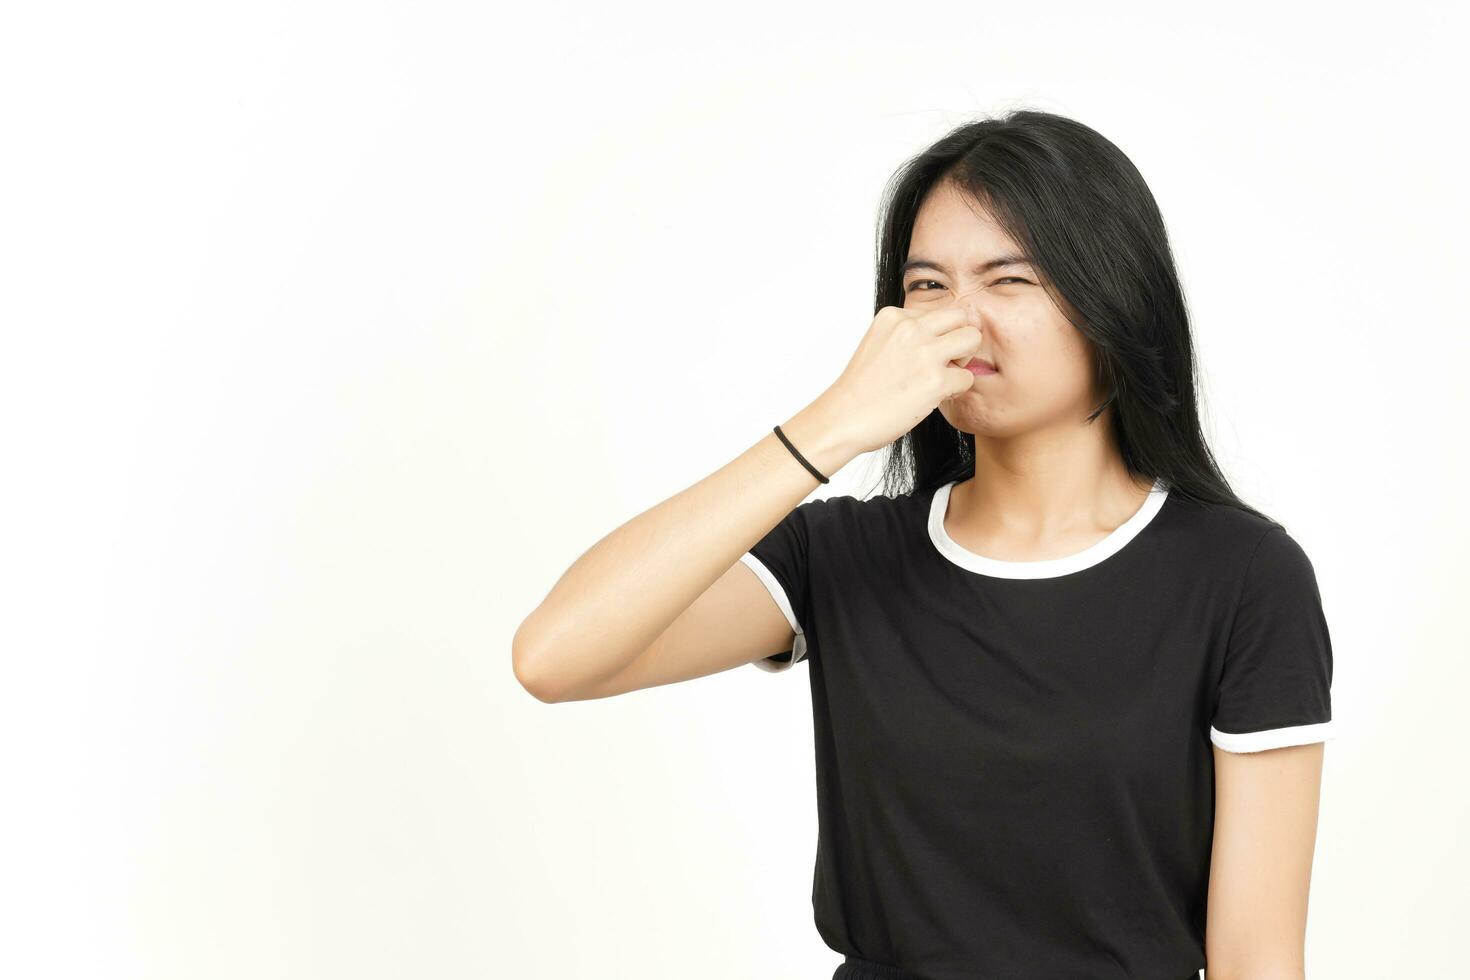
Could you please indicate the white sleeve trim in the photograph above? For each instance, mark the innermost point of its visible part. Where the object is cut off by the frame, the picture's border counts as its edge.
(798, 648)
(1273, 738)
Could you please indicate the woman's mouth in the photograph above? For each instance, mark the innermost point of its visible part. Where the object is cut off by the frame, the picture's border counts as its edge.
(977, 366)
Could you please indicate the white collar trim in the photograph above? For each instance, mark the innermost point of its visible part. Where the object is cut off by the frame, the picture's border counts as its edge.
(1049, 567)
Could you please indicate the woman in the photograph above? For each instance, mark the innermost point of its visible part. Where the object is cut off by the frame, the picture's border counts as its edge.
(1069, 692)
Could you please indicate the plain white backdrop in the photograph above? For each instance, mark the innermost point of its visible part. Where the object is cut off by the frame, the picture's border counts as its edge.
(334, 333)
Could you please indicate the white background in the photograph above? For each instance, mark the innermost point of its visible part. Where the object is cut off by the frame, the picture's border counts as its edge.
(334, 333)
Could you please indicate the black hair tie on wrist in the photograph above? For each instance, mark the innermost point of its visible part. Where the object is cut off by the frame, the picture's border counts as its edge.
(800, 458)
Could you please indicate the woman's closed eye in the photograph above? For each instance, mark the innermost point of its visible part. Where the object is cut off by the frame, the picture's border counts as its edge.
(913, 286)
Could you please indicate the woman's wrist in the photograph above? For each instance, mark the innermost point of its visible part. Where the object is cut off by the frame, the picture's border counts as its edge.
(817, 433)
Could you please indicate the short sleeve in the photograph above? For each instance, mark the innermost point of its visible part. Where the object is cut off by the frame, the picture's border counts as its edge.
(779, 560)
(1275, 689)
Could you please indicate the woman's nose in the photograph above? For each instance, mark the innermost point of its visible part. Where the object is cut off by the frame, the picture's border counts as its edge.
(966, 296)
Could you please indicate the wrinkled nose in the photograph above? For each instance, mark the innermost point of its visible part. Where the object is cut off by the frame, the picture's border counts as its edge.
(972, 314)
(966, 295)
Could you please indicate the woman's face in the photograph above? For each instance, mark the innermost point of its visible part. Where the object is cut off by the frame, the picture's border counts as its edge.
(1045, 375)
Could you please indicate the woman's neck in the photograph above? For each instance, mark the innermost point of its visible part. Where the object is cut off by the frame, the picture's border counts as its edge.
(1047, 498)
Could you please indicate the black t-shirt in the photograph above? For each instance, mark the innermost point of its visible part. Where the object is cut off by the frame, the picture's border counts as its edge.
(1013, 759)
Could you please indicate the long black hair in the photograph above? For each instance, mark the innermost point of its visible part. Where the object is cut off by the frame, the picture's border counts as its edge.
(1081, 210)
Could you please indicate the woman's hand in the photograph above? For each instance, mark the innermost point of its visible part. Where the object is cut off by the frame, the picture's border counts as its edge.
(900, 373)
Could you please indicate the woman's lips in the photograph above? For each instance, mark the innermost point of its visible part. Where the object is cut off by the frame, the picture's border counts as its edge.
(977, 366)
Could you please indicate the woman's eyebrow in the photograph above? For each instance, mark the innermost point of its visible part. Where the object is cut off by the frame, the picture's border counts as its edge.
(998, 262)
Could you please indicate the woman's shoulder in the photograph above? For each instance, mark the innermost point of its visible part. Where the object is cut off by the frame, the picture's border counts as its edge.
(1214, 527)
(853, 509)
(850, 528)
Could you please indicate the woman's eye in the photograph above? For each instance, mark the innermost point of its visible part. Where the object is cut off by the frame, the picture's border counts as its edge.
(914, 286)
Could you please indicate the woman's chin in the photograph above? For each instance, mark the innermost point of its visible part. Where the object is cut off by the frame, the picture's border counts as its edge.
(969, 412)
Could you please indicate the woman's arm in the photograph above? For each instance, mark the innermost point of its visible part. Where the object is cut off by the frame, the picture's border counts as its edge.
(1261, 865)
(622, 594)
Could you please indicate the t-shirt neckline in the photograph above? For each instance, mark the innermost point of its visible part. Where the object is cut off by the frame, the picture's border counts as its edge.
(1047, 567)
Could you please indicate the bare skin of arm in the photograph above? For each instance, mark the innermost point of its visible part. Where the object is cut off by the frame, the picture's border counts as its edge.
(664, 597)
(1266, 806)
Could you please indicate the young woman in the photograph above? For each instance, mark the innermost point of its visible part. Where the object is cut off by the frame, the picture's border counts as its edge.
(1069, 692)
